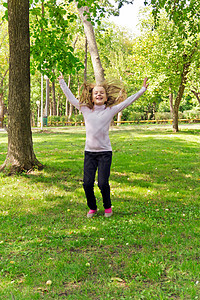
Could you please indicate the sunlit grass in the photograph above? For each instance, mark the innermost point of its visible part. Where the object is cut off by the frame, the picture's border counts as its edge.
(149, 249)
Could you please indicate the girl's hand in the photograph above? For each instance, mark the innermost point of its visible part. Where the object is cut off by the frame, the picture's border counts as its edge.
(61, 76)
(145, 84)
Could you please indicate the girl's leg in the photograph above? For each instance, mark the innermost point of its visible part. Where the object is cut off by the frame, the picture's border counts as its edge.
(104, 164)
(90, 167)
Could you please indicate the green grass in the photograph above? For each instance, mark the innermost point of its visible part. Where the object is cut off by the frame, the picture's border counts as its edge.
(149, 249)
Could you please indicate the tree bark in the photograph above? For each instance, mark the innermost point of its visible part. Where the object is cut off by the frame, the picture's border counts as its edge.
(182, 85)
(20, 156)
(70, 111)
(47, 98)
(89, 33)
(67, 101)
(54, 98)
(179, 96)
(171, 101)
(85, 61)
(1, 110)
(57, 106)
(119, 118)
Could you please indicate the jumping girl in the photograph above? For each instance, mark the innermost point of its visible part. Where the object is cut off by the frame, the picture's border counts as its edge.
(99, 104)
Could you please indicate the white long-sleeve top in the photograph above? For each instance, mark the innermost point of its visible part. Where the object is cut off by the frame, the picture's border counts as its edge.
(98, 119)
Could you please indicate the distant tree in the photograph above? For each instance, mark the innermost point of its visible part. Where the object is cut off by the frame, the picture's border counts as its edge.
(181, 12)
(168, 55)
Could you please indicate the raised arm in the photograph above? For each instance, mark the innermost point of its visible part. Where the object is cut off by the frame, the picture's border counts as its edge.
(145, 83)
(117, 108)
(72, 99)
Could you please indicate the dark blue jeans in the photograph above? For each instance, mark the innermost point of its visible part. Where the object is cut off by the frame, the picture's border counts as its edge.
(92, 161)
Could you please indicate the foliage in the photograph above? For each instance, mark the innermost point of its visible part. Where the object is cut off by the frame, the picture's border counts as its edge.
(149, 248)
(64, 120)
(193, 113)
(51, 41)
(163, 116)
(164, 52)
(153, 54)
(184, 14)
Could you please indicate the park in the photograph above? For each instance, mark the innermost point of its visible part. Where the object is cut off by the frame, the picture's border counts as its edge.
(149, 247)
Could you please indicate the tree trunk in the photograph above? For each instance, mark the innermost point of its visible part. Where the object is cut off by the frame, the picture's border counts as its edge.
(175, 119)
(176, 105)
(50, 101)
(154, 110)
(182, 85)
(70, 105)
(20, 156)
(85, 61)
(66, 104)
(50, 109)
(1, 109)
(119, 118)
(58, 104)
(54, 98)
(47, 98)
(171, 102)
(66, 107)
(89, 33)
(70, 111)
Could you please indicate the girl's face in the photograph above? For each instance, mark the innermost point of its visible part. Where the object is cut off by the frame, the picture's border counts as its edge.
(99, 96)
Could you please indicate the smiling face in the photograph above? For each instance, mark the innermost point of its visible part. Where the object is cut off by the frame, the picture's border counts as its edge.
(99, 96)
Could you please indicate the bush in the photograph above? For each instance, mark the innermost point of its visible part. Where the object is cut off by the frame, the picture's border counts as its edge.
(63, 120)
(192, 114)
(77, 118)
(136, 116)
(53, 120)
(164, 106)
(163, 116)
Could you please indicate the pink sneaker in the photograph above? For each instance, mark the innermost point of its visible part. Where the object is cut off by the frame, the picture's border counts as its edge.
(108, 212)
(91, 213)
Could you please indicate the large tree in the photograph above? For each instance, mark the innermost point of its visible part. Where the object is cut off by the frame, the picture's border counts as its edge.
(20, 154)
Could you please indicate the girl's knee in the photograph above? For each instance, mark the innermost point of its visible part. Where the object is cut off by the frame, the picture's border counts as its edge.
(103, 185)
(88, 185)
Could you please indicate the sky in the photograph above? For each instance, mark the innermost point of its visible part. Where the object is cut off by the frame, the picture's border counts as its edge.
(129, 16)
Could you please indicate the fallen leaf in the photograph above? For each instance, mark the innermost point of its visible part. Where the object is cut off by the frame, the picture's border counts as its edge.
(117, 279)
(49, 282)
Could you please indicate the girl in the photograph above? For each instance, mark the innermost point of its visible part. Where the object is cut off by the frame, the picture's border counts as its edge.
(99, 104)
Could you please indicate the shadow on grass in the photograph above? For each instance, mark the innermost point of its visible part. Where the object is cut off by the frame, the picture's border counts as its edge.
(146, 163)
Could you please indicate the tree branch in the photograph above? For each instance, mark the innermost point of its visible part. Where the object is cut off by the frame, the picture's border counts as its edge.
(2, 79)
(3, 39)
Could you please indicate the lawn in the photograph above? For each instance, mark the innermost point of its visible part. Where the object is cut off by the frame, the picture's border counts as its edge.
(149, 248)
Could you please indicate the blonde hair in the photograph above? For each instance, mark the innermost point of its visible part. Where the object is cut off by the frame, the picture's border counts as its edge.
(115, 93)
